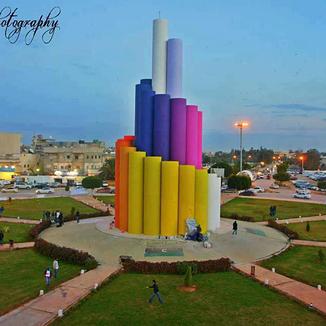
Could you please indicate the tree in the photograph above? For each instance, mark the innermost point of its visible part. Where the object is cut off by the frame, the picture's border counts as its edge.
(92, 182)
(223, 165)
(239, 182)
(188, 277)
(107, 170)
(312, 161)
(282, 168)
(308, 227)
(321, 255)
(322, 184)
(282, 174)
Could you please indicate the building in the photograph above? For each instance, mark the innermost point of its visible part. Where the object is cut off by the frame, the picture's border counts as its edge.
(62, 157)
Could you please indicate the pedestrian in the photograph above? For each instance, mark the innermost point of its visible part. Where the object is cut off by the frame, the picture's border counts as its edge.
(77, 216)
(235, 228)
(156, 292)
(1, 237)
(55, 268)
(47, 275)
(1, 210)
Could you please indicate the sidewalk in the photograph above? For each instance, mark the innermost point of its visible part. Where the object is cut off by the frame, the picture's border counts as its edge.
(309, 243)
(21, 245)
(44, 309)
(297, 220)
(92, 202)
(16, 220)
(301, 292)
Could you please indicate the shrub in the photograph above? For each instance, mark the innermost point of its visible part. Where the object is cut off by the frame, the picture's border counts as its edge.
(321, 184)
(92, 182)
(282, 228)
(308, 227)
(282, 176)
(67, 188)
(239, 182)
(72, 211)
(68, 218)
(235, 216)
(183, 266)
(321, 256)
(66, 254)
(188, 277)
(38, 228)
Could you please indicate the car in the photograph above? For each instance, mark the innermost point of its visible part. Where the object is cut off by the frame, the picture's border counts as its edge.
(274, 186)
(247, 193)
(45, 191)
(312, 187)
(257, 189)
(9, 189)
(105, 190)
(302, 196)
(22, 185)
(303, 191)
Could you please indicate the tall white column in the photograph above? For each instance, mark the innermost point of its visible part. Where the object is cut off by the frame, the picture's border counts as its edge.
(218, 199)
(214, 192)
(160, 37)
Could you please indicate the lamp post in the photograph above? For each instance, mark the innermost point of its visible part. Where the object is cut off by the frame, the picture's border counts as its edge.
(241, 125)
(301, 159)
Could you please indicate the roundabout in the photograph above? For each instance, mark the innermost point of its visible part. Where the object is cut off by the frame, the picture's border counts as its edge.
(252, 243)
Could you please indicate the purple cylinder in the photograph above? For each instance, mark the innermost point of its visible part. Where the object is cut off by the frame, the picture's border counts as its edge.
(192, 135)
(161, 128)
(174, 68)
(200, 141)
(178, 130)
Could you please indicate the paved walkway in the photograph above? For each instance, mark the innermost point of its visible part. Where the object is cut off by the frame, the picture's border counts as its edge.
(44, 309)
(301, 292)
(20, 220)
(309, 243)
(92, 202)
(21, 245)
(297, 220)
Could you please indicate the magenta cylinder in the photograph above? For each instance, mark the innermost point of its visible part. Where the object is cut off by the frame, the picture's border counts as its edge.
(192, 135)
(178, 130)
(200, 140)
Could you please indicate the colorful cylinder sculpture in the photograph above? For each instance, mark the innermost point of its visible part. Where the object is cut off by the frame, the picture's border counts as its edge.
(201, 198)
(127, 141)
(169, 198)
(160, 36)
(213, 202)
(219, 190)
(186, 196)
(161, 128)
(123, 182)
(152, 195)
(178, 129)
(135, 192)
(200, 140)
(192, 135)
(174, 68)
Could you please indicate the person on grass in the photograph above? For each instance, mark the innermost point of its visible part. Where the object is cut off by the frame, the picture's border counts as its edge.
(155, 293)
(47, 275)
(1, 237)
(55, 268)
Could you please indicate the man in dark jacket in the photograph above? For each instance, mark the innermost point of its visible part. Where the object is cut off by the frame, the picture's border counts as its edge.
(156, 292)
(235, 228)
(1, 237)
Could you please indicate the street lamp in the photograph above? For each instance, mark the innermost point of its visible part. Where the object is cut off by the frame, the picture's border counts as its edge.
(301, 159)
(241, 125)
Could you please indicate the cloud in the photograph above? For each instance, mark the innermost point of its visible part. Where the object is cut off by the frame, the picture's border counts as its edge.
(290, 107)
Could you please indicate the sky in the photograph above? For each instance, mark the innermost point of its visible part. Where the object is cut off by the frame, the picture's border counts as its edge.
(256, 60)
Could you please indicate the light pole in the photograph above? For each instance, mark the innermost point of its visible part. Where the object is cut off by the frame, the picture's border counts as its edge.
(301, 159)
(241, 125)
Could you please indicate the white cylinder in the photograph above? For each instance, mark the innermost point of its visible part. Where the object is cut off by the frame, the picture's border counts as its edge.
(160, 37)
(41, 292)
(214, 199)
(319, 287)
(60, 313)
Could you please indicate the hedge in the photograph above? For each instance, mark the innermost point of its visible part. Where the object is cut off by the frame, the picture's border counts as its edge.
(235, 216)
(206, 266)
(70, 217)
(284, 229)
(38, 228)
(69, 255)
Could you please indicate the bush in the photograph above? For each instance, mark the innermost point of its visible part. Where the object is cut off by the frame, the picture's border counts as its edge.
(92, 182)
(239, 182)
(83, 216)
(69, 255)
(182, 267)
(72, 211)
(282, 228)
(67, 188)
(308, 227)
(321, 184)
(282, 176)
(235, 216)
(207, 266)
(38, 228)
(188, 277)
(321, 256)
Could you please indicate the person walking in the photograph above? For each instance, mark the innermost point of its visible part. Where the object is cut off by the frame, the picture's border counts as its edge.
(77, 216)
(235, 228)
(55, 268)
(1, 237)
(156, 292)
(47, 275)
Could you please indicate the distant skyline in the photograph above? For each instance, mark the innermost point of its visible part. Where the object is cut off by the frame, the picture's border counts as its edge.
(261, 61)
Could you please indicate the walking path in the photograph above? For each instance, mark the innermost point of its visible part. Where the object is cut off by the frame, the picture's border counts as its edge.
(301, 292)
(21, 245)
(309, 243)
(20, 220)
(92, 202)
(44, 309)
(297, 220)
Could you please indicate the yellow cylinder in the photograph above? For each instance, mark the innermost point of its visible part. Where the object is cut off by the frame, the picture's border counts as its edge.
(135, 192)
(152, 195)
(201, 198)
(169, 198)
(186, 196)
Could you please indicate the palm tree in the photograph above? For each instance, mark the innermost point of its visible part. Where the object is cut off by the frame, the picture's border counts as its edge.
(107, 170)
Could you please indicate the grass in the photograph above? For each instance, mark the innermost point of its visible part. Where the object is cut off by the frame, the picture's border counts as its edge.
(22, 276)
(221, 299)
(317, 230)
(258, 209)
(106, 199)
(16, 231)
(34, 208)
(300, 263)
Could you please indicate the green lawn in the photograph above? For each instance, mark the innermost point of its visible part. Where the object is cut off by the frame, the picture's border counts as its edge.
(106, 199)
(34, 208)
(16, 231)
(300, 263)
(22, 276)
(259, 208)
(221, 299)
(317, 230)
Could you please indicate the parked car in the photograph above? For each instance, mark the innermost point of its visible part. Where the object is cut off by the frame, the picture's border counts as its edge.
(257, 189)
(312, 187)
(105, 190)
(303, 191)
(45, 191)
(22, 185)
(274, 186)
(42, 185)
(247, 193)
(302, 196)
(9, 189)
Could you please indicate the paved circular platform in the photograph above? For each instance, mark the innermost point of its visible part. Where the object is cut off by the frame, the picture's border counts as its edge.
(253, 242)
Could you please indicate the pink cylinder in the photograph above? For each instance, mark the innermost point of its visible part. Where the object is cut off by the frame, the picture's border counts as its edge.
(200, 140)
(192, 135)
